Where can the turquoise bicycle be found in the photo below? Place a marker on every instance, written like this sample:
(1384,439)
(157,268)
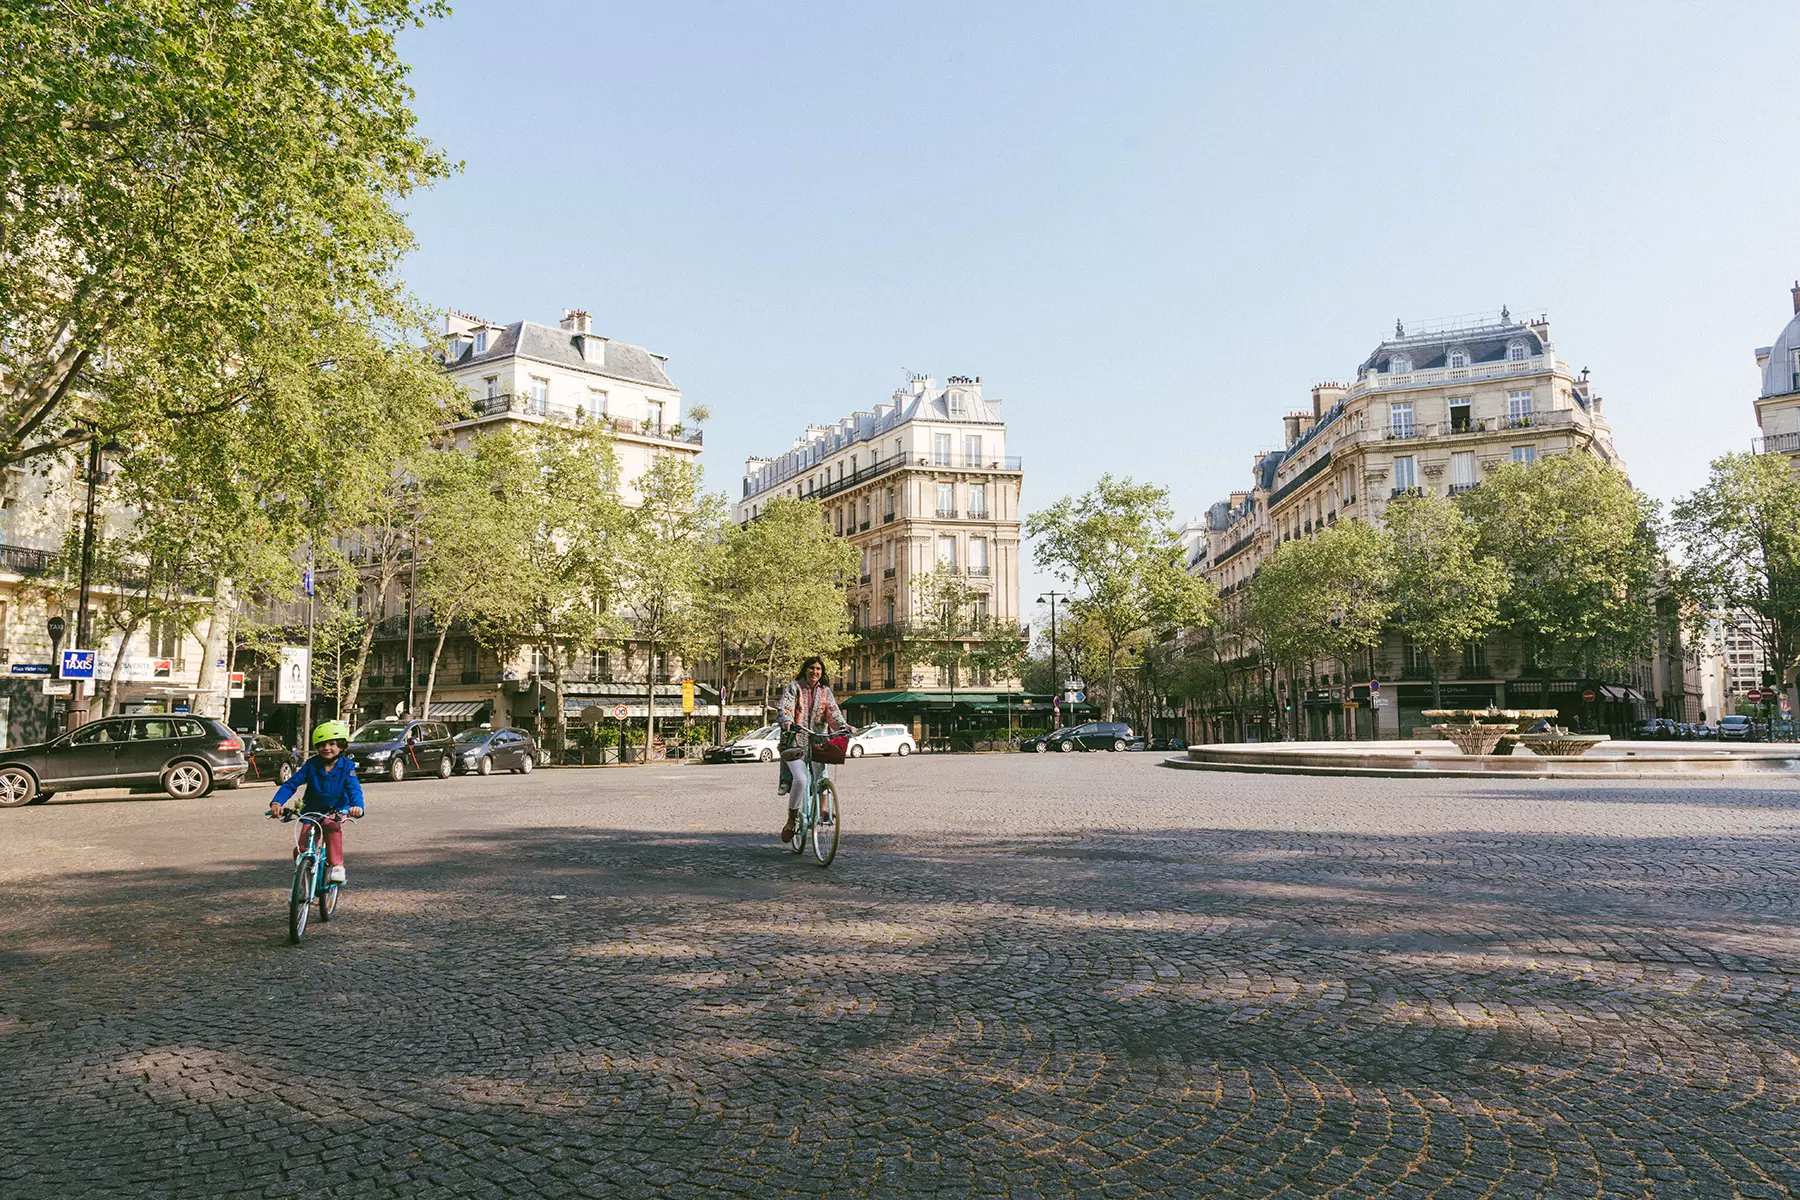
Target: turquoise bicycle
(819,819)
(310,870)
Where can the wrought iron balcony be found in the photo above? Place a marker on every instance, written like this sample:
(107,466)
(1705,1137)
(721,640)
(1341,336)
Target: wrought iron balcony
(1778,443)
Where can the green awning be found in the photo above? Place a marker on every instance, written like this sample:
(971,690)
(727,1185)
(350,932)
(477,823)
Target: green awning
(894,698)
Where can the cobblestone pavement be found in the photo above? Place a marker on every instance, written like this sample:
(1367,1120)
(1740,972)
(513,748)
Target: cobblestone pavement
(1027,976)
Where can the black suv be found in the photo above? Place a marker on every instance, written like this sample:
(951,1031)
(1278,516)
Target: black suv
(485,751)
(397,749)
(1095,735)
(185,756)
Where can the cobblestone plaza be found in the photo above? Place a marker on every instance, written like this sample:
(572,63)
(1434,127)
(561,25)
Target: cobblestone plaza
(1024,976)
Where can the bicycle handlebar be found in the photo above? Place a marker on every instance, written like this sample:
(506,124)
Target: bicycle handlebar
(285,817)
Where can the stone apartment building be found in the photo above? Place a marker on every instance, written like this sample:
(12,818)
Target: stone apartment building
(1431,410)
(1778,402)
(522,373)
(922,482)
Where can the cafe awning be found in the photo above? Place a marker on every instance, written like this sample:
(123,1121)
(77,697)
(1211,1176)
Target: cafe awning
(456,710)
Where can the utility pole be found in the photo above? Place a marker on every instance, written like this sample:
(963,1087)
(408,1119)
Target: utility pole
(1055,685)
(78,699)
(412,589)
(306,725)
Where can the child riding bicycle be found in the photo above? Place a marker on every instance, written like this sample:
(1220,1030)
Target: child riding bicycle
(807,702)
(332,788)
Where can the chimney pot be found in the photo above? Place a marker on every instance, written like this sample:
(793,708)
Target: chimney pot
(1797,297)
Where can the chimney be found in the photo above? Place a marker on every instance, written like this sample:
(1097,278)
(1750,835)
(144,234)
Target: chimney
(1294,424)
(1797,297)
(1324,396)
(576,320)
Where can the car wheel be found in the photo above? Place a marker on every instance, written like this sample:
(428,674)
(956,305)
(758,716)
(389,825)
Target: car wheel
(444,766)
(1066,747)
(905,749)
(856,752)
(1042,748)
(486,765)
(187,780)
(1118,745)
(17,787)
(284,772)
(525,765)
(767,755)
(397,770)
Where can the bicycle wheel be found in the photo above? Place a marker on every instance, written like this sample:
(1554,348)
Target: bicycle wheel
(328,901)
(825,829)
(300,897)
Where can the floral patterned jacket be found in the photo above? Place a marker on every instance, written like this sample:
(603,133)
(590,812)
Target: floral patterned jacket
(814,707)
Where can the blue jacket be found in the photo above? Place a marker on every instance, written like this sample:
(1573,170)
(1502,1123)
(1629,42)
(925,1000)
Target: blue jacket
(328,789)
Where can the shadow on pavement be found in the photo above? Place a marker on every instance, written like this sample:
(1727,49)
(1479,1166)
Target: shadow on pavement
(1187,1012)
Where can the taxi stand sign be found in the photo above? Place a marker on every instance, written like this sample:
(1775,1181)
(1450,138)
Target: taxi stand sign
(78,664)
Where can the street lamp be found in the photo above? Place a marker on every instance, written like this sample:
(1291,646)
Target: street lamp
(1055,690)
(78,700)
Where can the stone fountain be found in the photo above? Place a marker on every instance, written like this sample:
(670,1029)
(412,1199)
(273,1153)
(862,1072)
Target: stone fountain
(1484,731)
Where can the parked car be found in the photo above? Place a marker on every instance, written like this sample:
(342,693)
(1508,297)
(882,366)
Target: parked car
(759,745)
(1043,742)
(484,751)
(269,758)
(882,739)
(397,749)
(1703,731)
(1656,729)
(185,756)
(1168,743)
(1737,729)
(1095,735)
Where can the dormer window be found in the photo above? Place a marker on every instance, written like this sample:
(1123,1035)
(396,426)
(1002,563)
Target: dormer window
(481,341)
(1517,352)
(1400,364)
(1459,357)
(958,404)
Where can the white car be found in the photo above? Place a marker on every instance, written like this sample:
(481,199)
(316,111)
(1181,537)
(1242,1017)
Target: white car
(760,745)
(882,739)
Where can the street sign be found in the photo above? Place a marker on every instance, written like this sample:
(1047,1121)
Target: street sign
(687,696)
(292,684)
(59,687)
(620,712)
(1756,695)
(1588,695)
(1351,704)
(1374,687)
(31,668)
(179,706)
(1077,697)
(78,664)
(237,685)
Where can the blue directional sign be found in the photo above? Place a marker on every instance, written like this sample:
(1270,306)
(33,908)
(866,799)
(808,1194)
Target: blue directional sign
(78,664)
(31,668)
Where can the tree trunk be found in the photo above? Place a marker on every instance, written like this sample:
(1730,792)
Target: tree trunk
(1112,657)
(1437,691)
(213,698)
(559,720)
(347,706)
(112,678)
(650,708)
(724,682)
(768,680)
(437,653)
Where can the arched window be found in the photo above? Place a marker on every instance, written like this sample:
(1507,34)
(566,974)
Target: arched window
(1517,352)
(1399,365)
(1459,357)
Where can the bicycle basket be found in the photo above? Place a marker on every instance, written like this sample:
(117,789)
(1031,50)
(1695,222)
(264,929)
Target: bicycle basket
(830,749)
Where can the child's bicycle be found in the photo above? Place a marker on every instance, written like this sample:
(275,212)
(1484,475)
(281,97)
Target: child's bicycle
(819,818)
(309,873)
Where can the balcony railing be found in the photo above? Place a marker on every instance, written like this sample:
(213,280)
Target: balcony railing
(864,578)
(1407,491)
(863,528)
(1464,428)
(887,573)
(946,513)
(524,405)
(470,677)
(24,559)
(958,462)
(978,514)
(977,572)
(1457,489)
(1778,443)
(1537,364)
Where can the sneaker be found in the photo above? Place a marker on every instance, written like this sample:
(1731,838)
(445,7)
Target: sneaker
(787,831)
(334,875)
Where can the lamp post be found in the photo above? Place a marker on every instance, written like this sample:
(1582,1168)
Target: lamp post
(1055,683)
(78,699)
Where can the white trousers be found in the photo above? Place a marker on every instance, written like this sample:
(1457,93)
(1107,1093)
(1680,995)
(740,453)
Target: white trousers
(802,772)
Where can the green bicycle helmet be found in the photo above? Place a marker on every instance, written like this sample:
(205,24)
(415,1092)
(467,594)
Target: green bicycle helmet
(331,731)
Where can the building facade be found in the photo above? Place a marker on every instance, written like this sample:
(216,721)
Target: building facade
(1778,402)
(922,485)
(1433,410)
(523,374)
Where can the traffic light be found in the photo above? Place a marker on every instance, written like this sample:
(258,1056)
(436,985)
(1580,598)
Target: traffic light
(1768,679)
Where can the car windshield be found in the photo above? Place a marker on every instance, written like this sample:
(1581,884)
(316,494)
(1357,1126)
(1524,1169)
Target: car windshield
(758,735)
(1734,720)
(379,731)
(870,729)
(474,737)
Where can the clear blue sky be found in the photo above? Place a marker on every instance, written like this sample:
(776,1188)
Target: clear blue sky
(1150,229)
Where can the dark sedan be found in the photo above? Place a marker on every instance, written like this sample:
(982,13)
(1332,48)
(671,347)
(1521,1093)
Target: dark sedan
(185,756)
(484,751)
(398,749)
(269,758)
(1043,742)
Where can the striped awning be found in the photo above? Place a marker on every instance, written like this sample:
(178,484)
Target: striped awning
(455,710)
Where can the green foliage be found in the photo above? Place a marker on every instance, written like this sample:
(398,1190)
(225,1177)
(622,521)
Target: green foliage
(1115,547)
(1738,538)
(954,636)
(1579,545)
(198,200)
(1323,597)
(1446,594)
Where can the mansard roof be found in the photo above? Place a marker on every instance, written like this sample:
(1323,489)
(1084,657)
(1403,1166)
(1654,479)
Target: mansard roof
(1781,375)
(560,347)
(1428,351)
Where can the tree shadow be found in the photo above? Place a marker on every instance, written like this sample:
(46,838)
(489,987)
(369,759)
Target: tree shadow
(1188,1011)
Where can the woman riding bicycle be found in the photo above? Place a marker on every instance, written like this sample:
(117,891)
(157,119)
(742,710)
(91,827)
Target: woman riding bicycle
(331,788)
(807,702)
